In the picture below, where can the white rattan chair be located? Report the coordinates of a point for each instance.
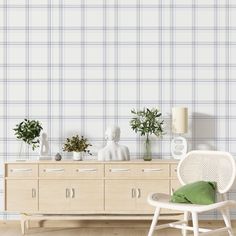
(199, 165)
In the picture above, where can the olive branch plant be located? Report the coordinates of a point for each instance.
(147, 122)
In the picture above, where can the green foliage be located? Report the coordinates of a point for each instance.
(147, 122)
(29, 132)
(76, 144)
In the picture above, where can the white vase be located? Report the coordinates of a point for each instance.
(24, 149)
(77, 156)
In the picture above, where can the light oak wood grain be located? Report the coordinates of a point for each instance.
(54, 195)
(173, 170)
(22, 195)
(21, 170)
(136, 171)
(145, 187)
(105, 190)
(120, 195)
(79, 171)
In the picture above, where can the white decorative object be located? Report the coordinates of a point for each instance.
(113, 150)
(179, 126)
(213, 166)
(44, 148)
(23, 151)
(77, 156)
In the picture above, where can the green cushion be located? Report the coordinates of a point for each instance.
(200, 192)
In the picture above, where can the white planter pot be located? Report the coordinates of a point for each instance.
(77, 156)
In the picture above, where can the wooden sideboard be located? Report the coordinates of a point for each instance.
(115, 190)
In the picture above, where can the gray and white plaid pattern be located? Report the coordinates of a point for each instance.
(79, 66)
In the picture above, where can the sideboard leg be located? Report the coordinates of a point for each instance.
(41, 223)
(27, 224)
(22, 223)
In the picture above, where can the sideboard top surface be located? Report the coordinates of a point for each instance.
(137, 161)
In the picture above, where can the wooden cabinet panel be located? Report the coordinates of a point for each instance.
(87, 195)
(175, 184)
(119, 195)
(131, 195)
(21, 195)
(144, 188)
(173, 170)
(20, 170)
(70, 195)
(54, 195)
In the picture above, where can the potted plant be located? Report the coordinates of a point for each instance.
(77, 145)
(147, 122)
(28, 131)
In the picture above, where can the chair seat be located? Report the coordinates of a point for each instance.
(163, 201)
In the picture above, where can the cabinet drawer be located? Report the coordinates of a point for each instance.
(153, 171)
(120, 171)
(148, 171)
(80, 170)
(88, 171)
(54, 170)
(173, 170)
(21, 170)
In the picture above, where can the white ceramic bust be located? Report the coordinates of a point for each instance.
(44, 145)
(113, 151)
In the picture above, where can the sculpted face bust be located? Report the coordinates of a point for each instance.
(113, 151)
(113, 134)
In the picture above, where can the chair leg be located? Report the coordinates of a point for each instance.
(226, 217)
(186, 215)
(154, 221)
(195, 224)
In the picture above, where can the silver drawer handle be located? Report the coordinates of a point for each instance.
(86, 170)
(67, 193)
(72, 193)
(133, 193)
(152, 170)
(53, 170)
(21, 170)
(119, 170)
(33, 193)
(138, 193)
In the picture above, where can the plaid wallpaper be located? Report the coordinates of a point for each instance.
(79, 66)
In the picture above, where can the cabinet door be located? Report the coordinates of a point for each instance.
(21, 195)
(120, 195)
(54, 196)
(87, 195)
(144, 188)
(175, 184)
